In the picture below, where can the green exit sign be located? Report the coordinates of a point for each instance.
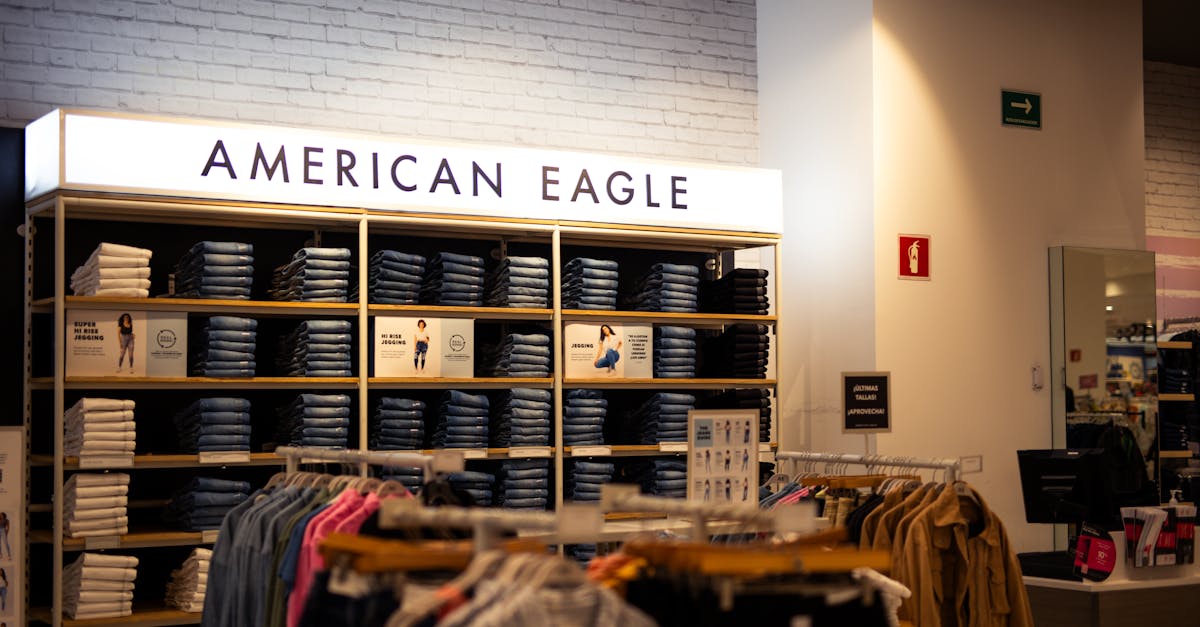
(1020, 108)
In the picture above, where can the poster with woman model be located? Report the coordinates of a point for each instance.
(423, 347)
(12, 513)
(119, 343)
(723, 455)
(607, 351)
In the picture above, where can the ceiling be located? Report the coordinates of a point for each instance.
(1171, 31)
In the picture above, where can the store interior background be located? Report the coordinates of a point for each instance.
(882, 116)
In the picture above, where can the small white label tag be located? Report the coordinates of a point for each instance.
(447, 461)
(530, 451)
(579, 523)
(591, 451)
(209, 536)
(475, 453)
(98, 462)
(673, 447)
(231, 457)
(102, 542)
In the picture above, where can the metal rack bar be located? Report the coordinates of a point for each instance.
(487, 523)
(438, 462)
(627, 498)
(951, 466)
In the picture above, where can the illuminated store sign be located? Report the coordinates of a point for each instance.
(90, 151)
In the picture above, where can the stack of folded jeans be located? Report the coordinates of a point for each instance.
(411, 477)
(478, 484)
(582, 553)
(462, 421)
(741, 352)
(101, 427)
(674, 352)
(663, 477)
(524, 484)
(210, 425)
(1177, 368)
(317, 348)
(215, 270)
(453, 280)
(519, 355)
(519, 282)
(226, 347)
(398, 424)
(589, 284)
(99, 585)
(585, 479)
(395, 277)
(314, 275)
(114, 270)
(583, 418)
(521, 418)
(201, 505)
(189, 582)
(666, 287)
(741, 291)
(321, 420)
(745, 399)
(94, 505)
(664, 417)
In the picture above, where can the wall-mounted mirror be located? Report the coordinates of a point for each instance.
(1104, 357)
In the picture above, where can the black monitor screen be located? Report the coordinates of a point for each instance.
(1067, 486)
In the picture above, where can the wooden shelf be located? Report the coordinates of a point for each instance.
(475, 383)
(143, 616)
(133, 540)
(166, 461)
(668, 384)
(204, 305)
(1175, 454)
(1182, 398)
(211, 383)
(1175, 345)
(479, 313)
(654, 317)
(492, 453)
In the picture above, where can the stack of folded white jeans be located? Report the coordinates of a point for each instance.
(94, 505)
(216, 270)
(189, 582)
(99, 586)
(100, 427)
(114, 270)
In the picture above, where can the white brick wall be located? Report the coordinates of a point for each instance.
(1172, 150)
(658, 78)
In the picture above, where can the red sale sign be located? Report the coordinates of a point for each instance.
(914, 257)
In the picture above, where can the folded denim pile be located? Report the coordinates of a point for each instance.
(519, 282)
(201, 505)
(518, 355)
(314, 275)
(582, 553)
(317, 348)
(740, 291)
(320, 420)
(210, 425)
(215, 270)
(94, 505)
(99, 585)
(663, 417)
(189, 582)
(114, 270)
(225, 347)
(411, 477)
(585, 479)
(741, 352)
(589, 284)
(744, 399)
(524, 484)
(1178, 371)
(674, 352)
(669, 287)
(398, 424)
(453, 280)
(583, 418)
(662, 477)
(462, 421)
(100, 427)
(394, 278)
(477, 484)
(1173, 436)
(521, 418)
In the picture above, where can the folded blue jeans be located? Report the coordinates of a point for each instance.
(231, 323)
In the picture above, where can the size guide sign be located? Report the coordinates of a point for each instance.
(866, 399)
(723, 455)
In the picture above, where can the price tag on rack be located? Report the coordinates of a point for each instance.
(225, 457)
(209, 536)
(97, 462)
(591, 451)
(579, 523)
(530, 451)
(102, 542)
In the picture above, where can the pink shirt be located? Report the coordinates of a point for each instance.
(310, 561)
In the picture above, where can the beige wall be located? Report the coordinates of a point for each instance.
(960, 347)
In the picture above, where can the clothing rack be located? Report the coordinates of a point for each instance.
(627, 498)
(438, 462)
(952, 467)
(489, 523)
